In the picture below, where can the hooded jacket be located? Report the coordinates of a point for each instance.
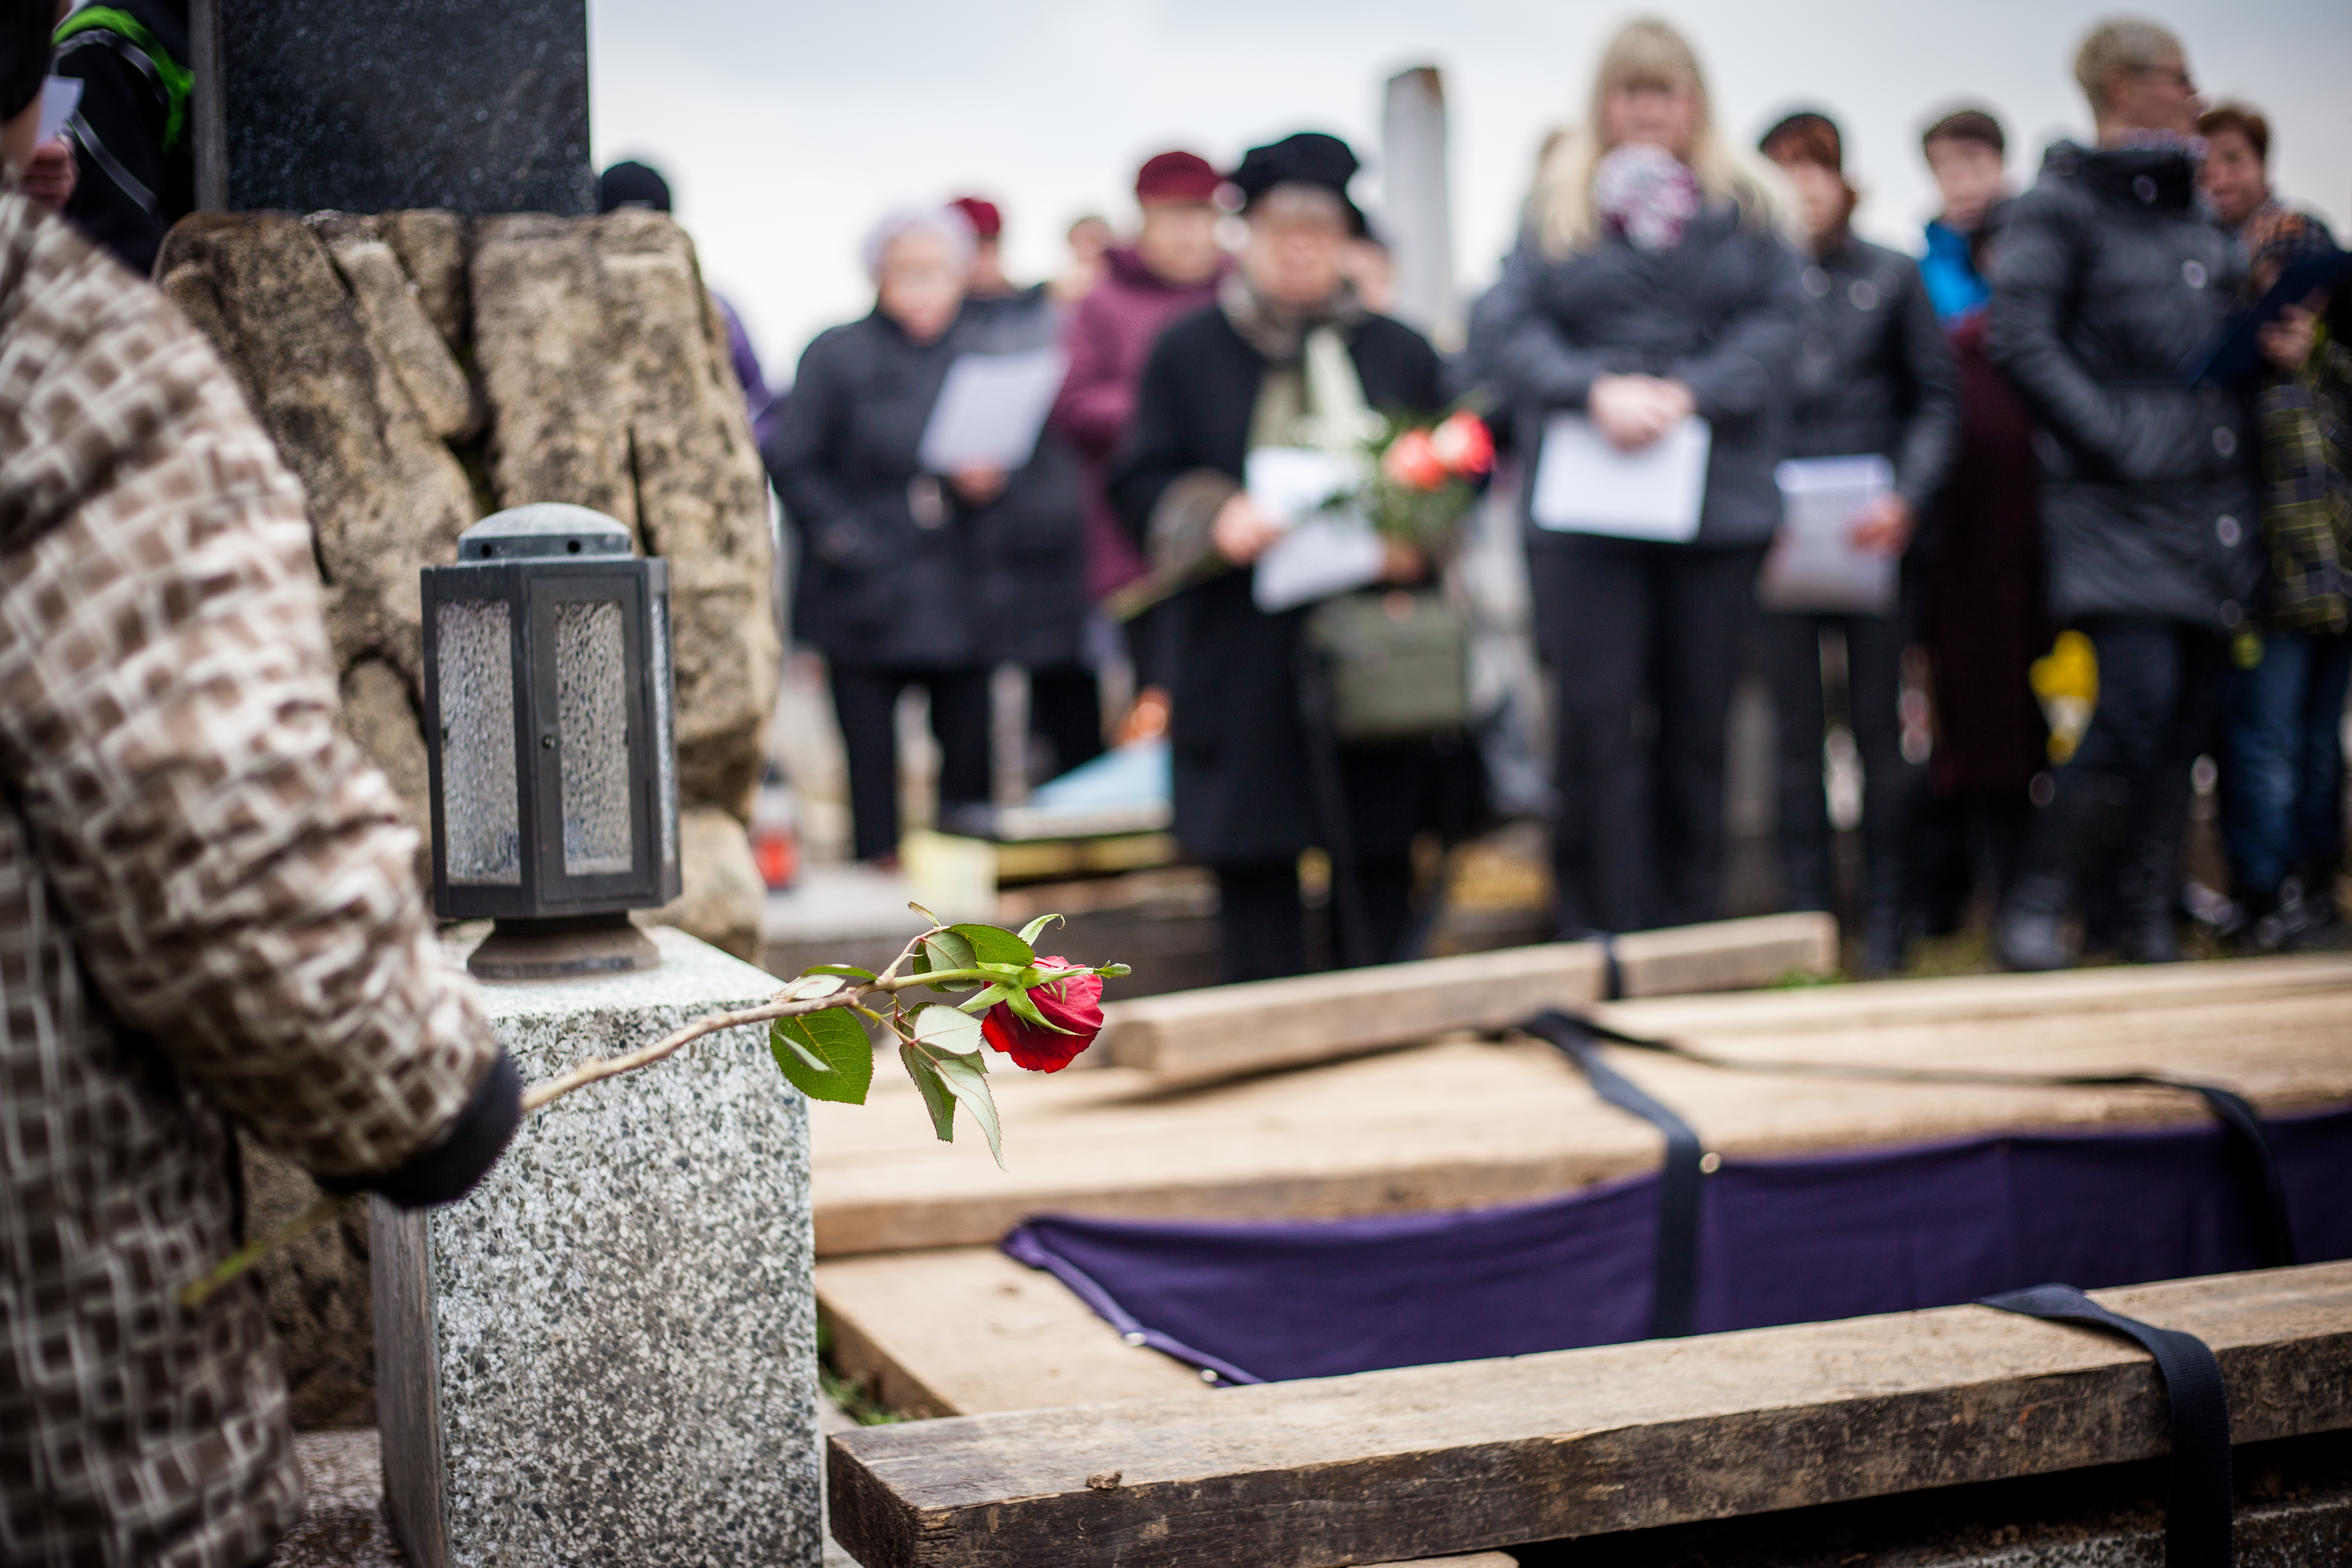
(1721, 311)
(2110, 277)
(208, 914)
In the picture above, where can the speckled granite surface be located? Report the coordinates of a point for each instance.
(621, 1329)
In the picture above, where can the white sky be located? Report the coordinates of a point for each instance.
(785, 130)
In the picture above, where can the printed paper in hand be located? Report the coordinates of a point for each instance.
(1327, 551)
(1584, 485)
(60, 96)
(991, 410)
(1814, 566)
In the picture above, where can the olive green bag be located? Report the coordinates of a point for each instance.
(1396, 663)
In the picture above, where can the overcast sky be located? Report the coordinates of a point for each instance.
(786, 129)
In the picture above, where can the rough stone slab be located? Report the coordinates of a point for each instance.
(607, 1353)
(1424, 1461)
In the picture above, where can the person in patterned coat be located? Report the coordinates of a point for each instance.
(209, 922)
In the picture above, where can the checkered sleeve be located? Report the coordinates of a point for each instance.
(237, 878)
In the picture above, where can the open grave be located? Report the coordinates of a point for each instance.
(1072, 1436)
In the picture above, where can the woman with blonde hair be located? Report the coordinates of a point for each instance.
(1654, 282)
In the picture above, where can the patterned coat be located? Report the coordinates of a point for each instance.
(207, 916)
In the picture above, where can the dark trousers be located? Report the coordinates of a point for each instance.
(1262, 920)
(1066, 713)
(866, 702)
(1873, 694)
(1644, 643)
(2160, 692)
(2282, 764)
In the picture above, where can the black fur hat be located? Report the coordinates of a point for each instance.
(1308, 158)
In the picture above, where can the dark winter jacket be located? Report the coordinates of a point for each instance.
(1242, 794)
(135, 173)
(1722, 311)
(1874, 374)
(1109, 337)
(2109, 277)
(891, 569)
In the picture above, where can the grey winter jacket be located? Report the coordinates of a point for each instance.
(891, 569)
(1722, 311)
(1874, 374)
(2110, 276)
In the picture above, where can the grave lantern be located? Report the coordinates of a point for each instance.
(550, 740)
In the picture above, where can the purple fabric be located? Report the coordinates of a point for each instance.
(1781, 1241)
(756, 396)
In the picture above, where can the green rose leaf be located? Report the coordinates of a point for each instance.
(846, 971)
(826, 1055)
(966, 1078)
(936, 1098)
(942, 951)
(943, 1028)
(982, 1001)
(993, 945)
(1035, 929)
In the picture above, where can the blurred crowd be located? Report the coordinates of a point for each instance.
(2116, 501)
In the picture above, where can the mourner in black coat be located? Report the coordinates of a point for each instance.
(2111, 275)
(1244, 801)
(1873, 377)
(903, 576)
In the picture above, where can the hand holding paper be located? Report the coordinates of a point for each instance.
(991, 410)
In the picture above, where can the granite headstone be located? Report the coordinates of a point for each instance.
(405, 103)
(608, 1353)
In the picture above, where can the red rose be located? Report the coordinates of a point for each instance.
(1464, 445)
(1071, 1003)
(1413, 462)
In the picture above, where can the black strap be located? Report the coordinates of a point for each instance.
(1674, 1269)
(2197, 1502)
(2273, 1224)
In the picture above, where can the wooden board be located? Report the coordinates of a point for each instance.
(1458, 1122)
(1191, 1036)
(1428, 1460)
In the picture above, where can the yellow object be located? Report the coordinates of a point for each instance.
(2066, 679)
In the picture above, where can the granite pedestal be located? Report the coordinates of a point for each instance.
(608, 1353)
(399, 103)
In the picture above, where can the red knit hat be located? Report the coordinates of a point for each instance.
(987, 222)
(1177, 177)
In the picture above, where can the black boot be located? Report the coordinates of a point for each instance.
(2147, 883)
(1886, 908)
(2076, 830)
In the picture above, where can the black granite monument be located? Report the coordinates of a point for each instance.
(478, 107)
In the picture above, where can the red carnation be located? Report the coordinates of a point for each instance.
(1411, 461)
(1464, 445)
(1071, 1003)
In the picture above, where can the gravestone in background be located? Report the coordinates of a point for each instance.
(451, 104)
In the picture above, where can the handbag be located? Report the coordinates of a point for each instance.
(1396, 664)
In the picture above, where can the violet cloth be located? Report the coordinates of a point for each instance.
(756, 396)
(1108, 339)
(1781, 1241)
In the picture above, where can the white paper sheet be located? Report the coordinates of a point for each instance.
(1584, 485)
(1330, 549)
(991, 409)
(1814, 566)
(60, 96)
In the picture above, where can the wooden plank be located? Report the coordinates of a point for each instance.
(966, 1329)
(1194, 1037)
(1457, 1122)
(1428, 1460)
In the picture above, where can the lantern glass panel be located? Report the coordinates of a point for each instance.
(591, 701)
(664, 745)
(480, 795)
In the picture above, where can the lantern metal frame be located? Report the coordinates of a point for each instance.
(553, 922)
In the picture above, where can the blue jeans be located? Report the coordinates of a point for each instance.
(2283, 758)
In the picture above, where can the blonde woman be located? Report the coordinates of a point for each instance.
(1655, 279)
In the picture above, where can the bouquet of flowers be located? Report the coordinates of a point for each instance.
(1425, 474)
